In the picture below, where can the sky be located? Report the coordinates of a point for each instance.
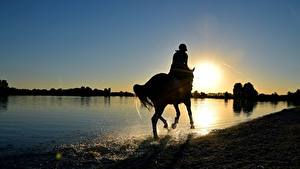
(72, 43)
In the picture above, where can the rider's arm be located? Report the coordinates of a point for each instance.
(185, 59)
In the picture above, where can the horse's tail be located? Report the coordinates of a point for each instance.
(142, 94)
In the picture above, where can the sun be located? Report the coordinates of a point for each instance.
(206, 77)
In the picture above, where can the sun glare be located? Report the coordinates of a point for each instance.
(207, 77)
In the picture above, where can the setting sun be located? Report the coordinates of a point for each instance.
(207, 77)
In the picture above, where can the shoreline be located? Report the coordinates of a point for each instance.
(270, 141)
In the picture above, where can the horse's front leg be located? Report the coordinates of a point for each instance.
(188, 107)
(174, 125)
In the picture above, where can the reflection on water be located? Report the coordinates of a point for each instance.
(107, 101)
(43, 121)
(293, 103)
(3, 103)
(210, 114)
(244, 106)
(205, 116)
(85, 101)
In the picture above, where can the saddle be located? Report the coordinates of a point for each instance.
(183, 77)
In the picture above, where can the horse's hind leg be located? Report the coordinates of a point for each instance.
(188, 107)
(155, 117)
(164, 121)
(174, 125)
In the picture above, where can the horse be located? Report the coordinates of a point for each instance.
(163, 89)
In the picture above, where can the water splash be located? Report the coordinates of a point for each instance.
(137, 109)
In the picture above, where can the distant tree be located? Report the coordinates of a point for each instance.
(196, 94)
(4, 90)
(297, 93)
(226, 95)
(107, 92)
(3, 84)
(237, 90)
(203, 95)
(249, 91)
(244, 92)
(88, 91)
(274, 96)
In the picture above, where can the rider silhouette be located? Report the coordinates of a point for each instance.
(179, 67)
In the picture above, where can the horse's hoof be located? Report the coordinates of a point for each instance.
(174, 126)
(192, 127)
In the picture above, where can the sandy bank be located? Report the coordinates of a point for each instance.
(271, 141)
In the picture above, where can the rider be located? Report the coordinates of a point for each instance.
(179, 67)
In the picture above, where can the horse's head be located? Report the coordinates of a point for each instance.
(192, 73)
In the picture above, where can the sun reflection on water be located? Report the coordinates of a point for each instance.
(205, 116)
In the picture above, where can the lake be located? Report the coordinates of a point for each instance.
(39, 123)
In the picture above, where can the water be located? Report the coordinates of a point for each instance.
(38, 123)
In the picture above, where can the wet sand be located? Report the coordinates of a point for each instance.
(271, 141)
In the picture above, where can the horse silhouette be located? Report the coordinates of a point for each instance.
(163, 89)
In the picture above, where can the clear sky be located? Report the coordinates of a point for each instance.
(70, 43)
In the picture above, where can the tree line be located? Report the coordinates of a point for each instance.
(248, 92)
(239, 92)
(82, 91)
